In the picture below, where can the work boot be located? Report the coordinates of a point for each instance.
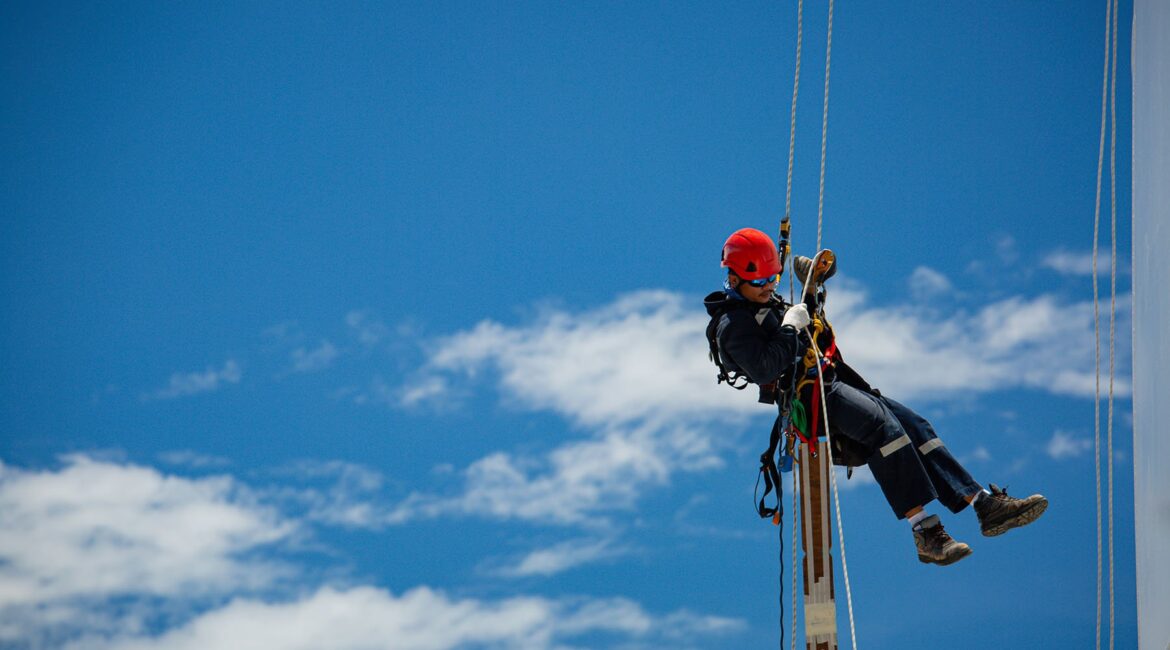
(998, 513)
(935, 546)
(802, 264)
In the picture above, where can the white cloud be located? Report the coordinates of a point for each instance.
(574, 483)
(193, 383)
(981, 453)
(1065, 445)
(189, 458)
(316, 359)
(1006, 249)
(926, 283)
(635, 376)
(361, 618)
(642, 358)
(101, 556)
(95, 530)
(1068, 263)
(1036, 343)
(348, 498)
(368, 330)
(560, 557)
(284, 333)
(424, 390)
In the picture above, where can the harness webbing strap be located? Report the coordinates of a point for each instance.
(771, 476)
(815, 416)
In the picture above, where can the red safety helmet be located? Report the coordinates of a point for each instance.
(751, 254)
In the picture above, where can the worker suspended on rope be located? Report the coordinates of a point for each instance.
(758, 337)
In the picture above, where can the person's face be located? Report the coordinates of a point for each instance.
(760, 294)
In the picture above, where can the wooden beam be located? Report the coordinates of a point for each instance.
(816, 538)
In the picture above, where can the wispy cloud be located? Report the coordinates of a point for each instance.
(423, 390)
(189, 458)
(1078, 263)
(926, 283)
(573, 484)
(283, 333)
(980, 453)
(318, 358)
(368, 330)
(1064, 445)
(193, 383)
(422, 618)
(331, 492)
(1038, 343)
(559, 558)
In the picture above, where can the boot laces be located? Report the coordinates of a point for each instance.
(939, 535)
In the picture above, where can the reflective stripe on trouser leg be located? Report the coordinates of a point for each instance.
(929, 446)
(950, 479)
(894, 459)
(898, 470)
(898, 443)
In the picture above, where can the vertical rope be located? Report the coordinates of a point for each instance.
(832, 474)
(836, 500)
(780, 558)
(825, 125)
(1112, 293)
(795, 484)
(792, 120)
(792, 132)
(1097, 314)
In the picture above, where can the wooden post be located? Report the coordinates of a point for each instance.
(816, 538)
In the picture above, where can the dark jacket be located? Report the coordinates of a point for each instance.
(751, 338)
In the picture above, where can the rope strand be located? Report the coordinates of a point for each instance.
(1112, 295)
(837, 506)
(794, 564)
(832, 473)
(825, 125)
(792, 132)
(1097, 315)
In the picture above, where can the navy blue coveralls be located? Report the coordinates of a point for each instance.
(908, 460)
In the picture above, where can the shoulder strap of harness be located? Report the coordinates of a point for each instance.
(736, 380)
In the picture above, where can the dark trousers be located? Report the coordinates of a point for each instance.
(908, 460)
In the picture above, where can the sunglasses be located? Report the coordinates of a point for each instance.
(763, 282)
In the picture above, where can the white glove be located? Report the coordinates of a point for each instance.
(797, 316)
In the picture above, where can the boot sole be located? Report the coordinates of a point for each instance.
(955, 557)
(1022, 519)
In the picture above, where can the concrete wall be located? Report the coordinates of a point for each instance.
(1151, 307)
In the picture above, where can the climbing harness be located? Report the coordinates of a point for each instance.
(736, 380)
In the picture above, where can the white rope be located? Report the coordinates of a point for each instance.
(795, 93)
(1110, 64)
(1112, 293)
(792, 132)
(832, 473)
(794, 563)
(792, 291)
(825, 125)
(791, 281)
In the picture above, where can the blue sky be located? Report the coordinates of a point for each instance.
(378, 325)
